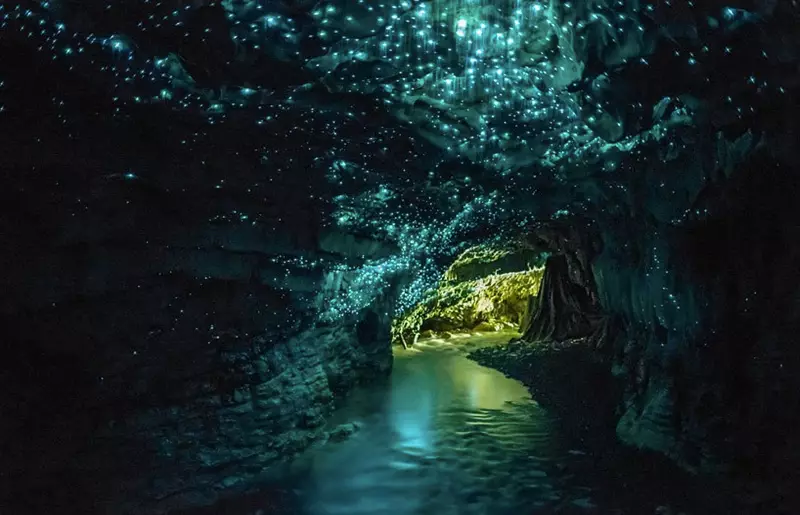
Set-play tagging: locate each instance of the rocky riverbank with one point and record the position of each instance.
(572, 382)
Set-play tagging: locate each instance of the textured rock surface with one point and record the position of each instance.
(483, 261)
(691, 315)
(169, 360)
(261, 405)
(485, 289)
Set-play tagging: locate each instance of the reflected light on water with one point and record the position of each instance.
(442, 435)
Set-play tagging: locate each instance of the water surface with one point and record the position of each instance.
(443, 435)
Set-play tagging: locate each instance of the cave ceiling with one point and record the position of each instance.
(425, 123)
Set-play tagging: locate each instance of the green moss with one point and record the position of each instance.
(484, 261)
(474, 256)
(494, 302)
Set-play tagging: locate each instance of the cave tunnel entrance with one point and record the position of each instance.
(537, 288)
(487, 289)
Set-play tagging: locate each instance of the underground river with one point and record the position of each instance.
(445, 435)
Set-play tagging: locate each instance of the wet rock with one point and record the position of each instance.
(204, 366)
(343, 432)
(652, 427)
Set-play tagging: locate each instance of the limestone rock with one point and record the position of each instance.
(651, 427)
(343, 432)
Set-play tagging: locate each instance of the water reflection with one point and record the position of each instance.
(442, 435)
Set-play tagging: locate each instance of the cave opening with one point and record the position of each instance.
(486, 289)
(538, 287)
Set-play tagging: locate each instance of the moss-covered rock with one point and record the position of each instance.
(475, 296)
(483, 261)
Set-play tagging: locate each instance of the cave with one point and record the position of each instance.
(420, 256)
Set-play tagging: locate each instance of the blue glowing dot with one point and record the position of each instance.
(729, 13)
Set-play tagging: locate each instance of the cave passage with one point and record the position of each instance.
(446, 435)
(442, 435)
(314, 244)
(486, 289)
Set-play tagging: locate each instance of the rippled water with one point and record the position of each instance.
(443, 435)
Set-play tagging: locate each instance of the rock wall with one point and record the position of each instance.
(708, 299)
(165, 358)
(485, 289)
(250, 407)
(690, 299)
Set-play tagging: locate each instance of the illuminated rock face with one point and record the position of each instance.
(314, 162)
(485, 289)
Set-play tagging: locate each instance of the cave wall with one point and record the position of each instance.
(686, 277)
(162, 356)
(705, 283)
